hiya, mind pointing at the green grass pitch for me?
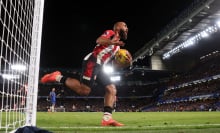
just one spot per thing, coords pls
(135, 122)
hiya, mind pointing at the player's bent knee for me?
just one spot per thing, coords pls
(111, 89)
(84, 92)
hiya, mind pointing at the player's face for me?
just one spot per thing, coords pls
(123, 31)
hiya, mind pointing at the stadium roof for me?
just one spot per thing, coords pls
(200, 15)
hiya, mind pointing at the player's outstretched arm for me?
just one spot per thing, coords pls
(106, 41)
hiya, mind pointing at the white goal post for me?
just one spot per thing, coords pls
(20, 43)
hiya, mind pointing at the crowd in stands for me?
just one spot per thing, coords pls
(94, 104)
(195, 90)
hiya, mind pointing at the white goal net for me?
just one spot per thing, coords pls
(20, 41)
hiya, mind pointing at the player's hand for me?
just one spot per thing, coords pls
(126, 63)
(117, 42)
(120, 43)
(129, 57)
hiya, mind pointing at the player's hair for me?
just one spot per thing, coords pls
(117, 25)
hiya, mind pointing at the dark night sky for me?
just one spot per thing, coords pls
(71, 28)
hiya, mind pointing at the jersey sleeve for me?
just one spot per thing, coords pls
(108, 34)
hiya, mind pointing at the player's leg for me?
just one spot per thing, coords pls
(86, 78)
(71, 83)
(78, 87)
(109, 100)
(53, 107)
(89, 63)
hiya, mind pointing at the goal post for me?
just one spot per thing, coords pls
(20, 44)
(33, 75)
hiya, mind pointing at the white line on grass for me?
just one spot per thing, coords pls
(162, 126)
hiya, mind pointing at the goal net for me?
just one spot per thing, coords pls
(20, 43)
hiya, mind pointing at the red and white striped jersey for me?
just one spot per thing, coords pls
(104, 53)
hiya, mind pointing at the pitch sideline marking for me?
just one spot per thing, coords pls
(95, 127)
